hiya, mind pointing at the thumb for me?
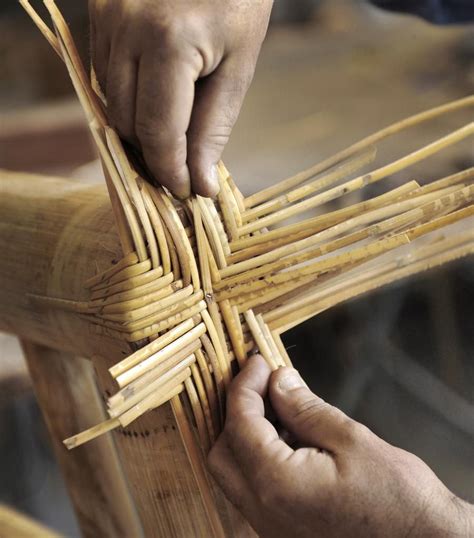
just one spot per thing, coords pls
(310, 419)
(217, 103)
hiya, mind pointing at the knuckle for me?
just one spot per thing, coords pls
(212, 143)
(165, 30)
(308, 411)
(353, 432)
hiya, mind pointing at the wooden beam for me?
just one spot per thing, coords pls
(54, 235)
(65, 387)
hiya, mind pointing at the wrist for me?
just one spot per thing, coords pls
(465, 517)
(457, 521)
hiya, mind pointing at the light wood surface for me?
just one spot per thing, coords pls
(66, 390)
(16, 525)
(50, 230)
(192, 239)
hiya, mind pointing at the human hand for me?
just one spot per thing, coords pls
(175, 73)
(344, 481)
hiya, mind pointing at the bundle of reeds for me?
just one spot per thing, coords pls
(202, 283)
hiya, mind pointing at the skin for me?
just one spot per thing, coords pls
(336, 478)
(175, 73)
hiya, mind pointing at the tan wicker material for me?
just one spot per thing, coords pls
(202, 283)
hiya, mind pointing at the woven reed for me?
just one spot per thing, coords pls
(202, 283)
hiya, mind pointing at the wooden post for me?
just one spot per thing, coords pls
(54, 235)
(65, 388)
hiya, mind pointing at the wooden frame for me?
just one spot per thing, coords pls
(199, 284)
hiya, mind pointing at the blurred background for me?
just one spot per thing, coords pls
(331, 72)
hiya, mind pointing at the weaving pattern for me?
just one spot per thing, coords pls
(202, 283)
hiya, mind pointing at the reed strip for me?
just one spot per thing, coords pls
(175, 265)
(258, 244)
(159, 375)
(213, 234)
(156, 328)
(301, 177)
(352, 291)
(153, 347)
(213, 365)
(73, 62)
(215, 323)
(124, 274)
(281, 348)
(171, 351)
(233, 331)
(158, 227)
(129, 211)
(210, 390)
(198, 413)
(92, 433)
(148, 321)
(263, 348)
(127, 261)
(129, 315)
(152, 401)
(42, 27)
(134, 285)
(361, 181)
(366, 273)
(347, 168)
(271, 343)
(141, 300)
(202, 397)
(225, 199)
(217, 222)
(286, 282)
(129, 177)
(232, 286)
(180, 239)
(125, 400)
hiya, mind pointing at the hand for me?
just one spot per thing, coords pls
(343, 481)
(175, 73)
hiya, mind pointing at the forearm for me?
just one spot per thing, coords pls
(437, 11)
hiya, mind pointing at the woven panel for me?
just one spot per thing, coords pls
(202, 283)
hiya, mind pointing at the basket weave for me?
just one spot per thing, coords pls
(202, 283)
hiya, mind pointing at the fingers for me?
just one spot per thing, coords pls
(217, 104)
(252, 438)
(100, 42)
(228, 476)
(313, 421)
(164, 103)
(121, 91)
(175, 83)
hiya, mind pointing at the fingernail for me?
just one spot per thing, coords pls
(291, 380)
